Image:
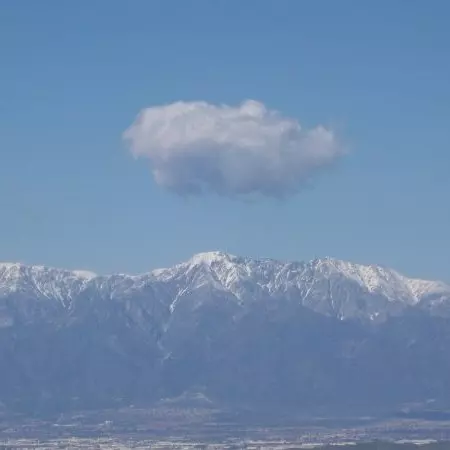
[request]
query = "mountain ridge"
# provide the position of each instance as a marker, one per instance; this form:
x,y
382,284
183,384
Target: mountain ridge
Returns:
x,y
242,331
232,274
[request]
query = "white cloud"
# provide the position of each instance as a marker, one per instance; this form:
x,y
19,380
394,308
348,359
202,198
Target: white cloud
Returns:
x,y
194,147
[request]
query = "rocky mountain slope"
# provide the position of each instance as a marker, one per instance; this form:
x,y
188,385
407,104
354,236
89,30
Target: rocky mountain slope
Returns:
x,y
242,331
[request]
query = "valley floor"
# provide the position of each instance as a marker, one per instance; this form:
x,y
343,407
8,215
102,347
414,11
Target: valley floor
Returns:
x,y
196,429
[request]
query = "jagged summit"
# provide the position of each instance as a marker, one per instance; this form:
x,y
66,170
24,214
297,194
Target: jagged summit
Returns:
x,y
210,258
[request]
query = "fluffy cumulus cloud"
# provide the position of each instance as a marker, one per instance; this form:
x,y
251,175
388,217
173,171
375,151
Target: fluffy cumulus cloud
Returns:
x,y
195,147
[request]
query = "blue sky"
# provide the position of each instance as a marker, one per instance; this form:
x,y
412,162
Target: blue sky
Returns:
x,y
75,75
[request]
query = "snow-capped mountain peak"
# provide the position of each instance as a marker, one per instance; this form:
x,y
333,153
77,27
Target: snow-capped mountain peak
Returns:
x,y
84,274
209,258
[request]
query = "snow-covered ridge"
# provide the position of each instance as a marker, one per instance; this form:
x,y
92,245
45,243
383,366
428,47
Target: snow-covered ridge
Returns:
x,y
328,286
42,281
17,267
385,281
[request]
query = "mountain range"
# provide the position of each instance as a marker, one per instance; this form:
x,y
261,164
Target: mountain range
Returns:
x,y
241,332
